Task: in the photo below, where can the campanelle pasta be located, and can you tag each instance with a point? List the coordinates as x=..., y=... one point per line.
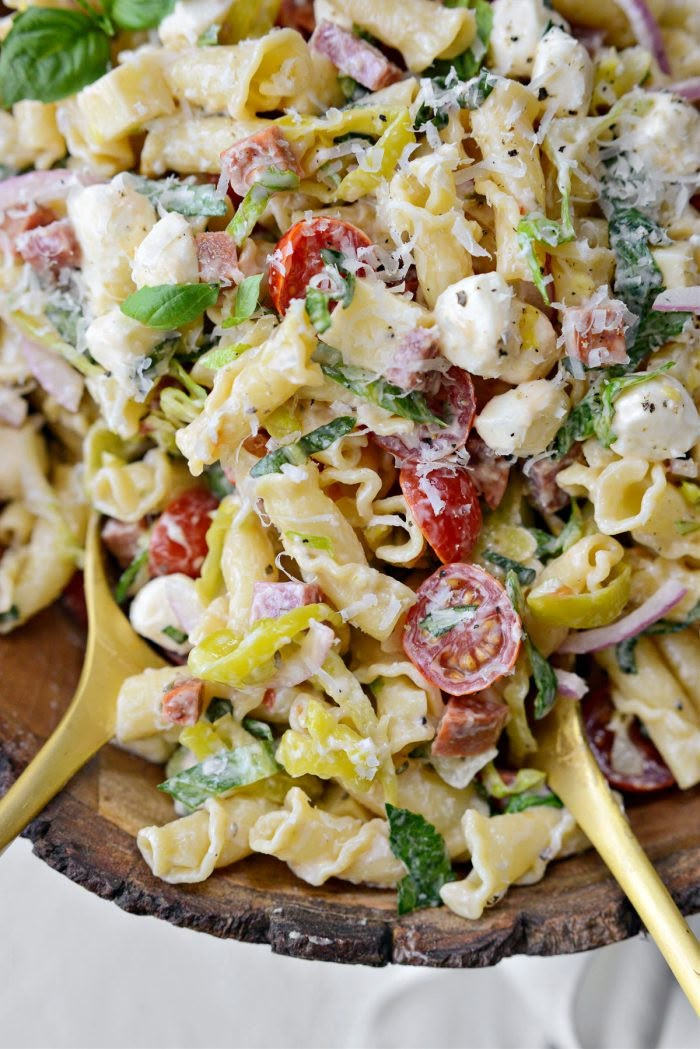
x=375, y=344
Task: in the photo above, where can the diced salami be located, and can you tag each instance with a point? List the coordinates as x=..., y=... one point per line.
x=271, y=600
x=541, y=482
x=217, y=258
x=416, y=361
x=123, y=539
x=297, y=14
x=355, y=57
x=24, y=217
x=49, y=248
x=248, y=158
x=470, y=725
x=594, y=333
x=489, y=472
x=182, y=704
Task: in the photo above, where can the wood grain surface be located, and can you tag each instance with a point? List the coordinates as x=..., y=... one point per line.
x=87, y=833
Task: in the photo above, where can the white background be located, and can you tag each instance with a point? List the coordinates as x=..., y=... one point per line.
x=76, y=972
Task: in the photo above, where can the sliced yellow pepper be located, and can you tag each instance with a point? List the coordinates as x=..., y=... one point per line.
x=330, y=750
x=580, y=611
x=224, y=658
x=380, y=161
x=202, y=739
x=211, y=580
x=525, y=779
x=248, y=18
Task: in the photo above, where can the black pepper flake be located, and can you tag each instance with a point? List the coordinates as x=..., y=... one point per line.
x=383, y=117
x=512, y=152
x=542, y=94
x=514, y=39
x=461, y=297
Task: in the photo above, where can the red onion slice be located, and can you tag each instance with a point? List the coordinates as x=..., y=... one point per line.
x=570, y=685
x=646, y=30
x=681, y=300
x=666, y=597
x=37, y=187
x=688, y=89
x=54, y=375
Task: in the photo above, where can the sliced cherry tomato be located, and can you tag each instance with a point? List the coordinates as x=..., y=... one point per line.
x=654, y=774
x=463, y=632
x=178, y=541
x=297, y=14
x=445, y=505
x=454, y=403
x=297, y=257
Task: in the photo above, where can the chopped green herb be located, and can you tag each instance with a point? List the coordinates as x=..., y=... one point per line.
x=374, y=388
x=220, y=356
x=625, y=650
x=318, y=542
x=531, y=799
x=210, y=36
x=256, y=200
x=219, y=708
x=549, y=546
x=170, y=306
x=259, y=729
x=175, y=634
x=470, y=95
x=217, y=481
x=538, y=229
x=350, y=89
x=542, y=673
x=246, y=301
x=469, y=62
x=185, y=196
x=222, y=772
x=525, y=575
x=128, y=577
x=686, y=527
x=315, y=441
x=446, y=619
x=422, y=849
x=318, y=302
x=10, y=615
x=67, y=316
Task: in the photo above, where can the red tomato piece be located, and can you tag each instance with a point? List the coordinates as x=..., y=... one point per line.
x=178, y=541
x=454, y=403
x=445, y=505
x=463, y=632
x=297, y=257
x=654, y=774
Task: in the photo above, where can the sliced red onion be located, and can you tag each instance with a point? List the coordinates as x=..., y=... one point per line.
x=307, y=661
x=570, y=685
x=666, y=597
x=681, y=300
x=646, y=30
x=688, y=89
x=54, y=375
x=37, y=187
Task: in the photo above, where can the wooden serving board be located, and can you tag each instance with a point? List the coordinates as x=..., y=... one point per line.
x=87, y=833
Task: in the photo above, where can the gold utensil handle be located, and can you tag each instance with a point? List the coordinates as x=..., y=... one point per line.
x=581, y=786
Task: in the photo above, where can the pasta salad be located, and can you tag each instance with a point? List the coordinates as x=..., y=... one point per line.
x=371, y=331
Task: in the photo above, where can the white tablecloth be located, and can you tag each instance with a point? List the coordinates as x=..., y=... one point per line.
x=76, y=971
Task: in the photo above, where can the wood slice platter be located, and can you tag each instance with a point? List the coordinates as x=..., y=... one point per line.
x=87, y=833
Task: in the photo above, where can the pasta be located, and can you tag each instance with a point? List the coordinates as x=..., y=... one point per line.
x=377, y=350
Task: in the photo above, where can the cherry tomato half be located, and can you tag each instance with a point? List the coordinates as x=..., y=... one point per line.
x=597, y=709
x=297, y=257
x=178, y=540
x=452, y=528
x=455, y=404
x=463, y=633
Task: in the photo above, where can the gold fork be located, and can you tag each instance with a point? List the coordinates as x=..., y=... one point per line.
x=114, y=651
x=563, y=753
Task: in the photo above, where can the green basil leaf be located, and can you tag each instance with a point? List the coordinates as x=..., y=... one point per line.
x=542, y=673
x=316, y=441
x=218, y=482
x=530, y=799
x=139, y=14
x=468, y=63
x=409, y=405
x=445, y=619
x=422, y=849
x=10, y=615
x=525, y=575
x=549, y=546
x=259, y=729
x=185, y=196
x=128, y=576
x=218, y=708
x=246, y=302
x=175, y=634
x=220, y=356
x=170, y=306
x=51, y=53
x=318, y=310
x=654, y=329
x=255, y=201
x=538, y=229
x=221, y=773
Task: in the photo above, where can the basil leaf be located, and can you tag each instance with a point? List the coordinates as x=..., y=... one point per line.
x=318, y=302
x=541, y=230
x=169, y=306
x=315, y=441
x=186, y=197
x=416, y=843
x=525, y=575
x=246, y=301
x=409, y=405
x=220, y=356
x=655, y=328
x=530, y=799
x=67, y=316
x=259, y=729
x=176, y=635
x=470, y=95
x=218, y=708
x=10, y=615
x=469, y=62
x=255, y=201
x=51, y=53
x=222, y=772
x=128, y=576
x=549, y=546
x=445, y=619
x=542, y=673
x=218, y=482
x=625, y=650
x=139, y=14
x=317, y=542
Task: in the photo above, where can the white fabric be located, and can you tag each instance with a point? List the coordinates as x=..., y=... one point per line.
x=77, y=972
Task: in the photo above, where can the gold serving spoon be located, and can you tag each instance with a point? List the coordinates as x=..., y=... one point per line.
x=563, y=753
x=114, y=651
